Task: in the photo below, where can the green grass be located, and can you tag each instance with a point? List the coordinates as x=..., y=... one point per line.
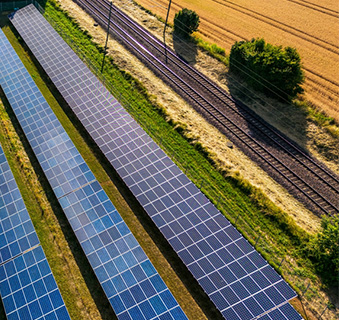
x=318, y=117
x=212, y=49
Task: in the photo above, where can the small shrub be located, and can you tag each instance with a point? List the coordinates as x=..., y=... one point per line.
x=323, y=250
x=186, y=22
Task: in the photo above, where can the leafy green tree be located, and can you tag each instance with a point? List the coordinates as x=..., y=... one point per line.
x=323, y=250
x=274, y=70
x=186, y=22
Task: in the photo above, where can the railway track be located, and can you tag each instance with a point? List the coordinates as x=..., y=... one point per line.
x=305, y=178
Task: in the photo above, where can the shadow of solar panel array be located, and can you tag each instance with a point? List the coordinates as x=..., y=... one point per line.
x=236, y=278
x=132, y=285
x=27, y=287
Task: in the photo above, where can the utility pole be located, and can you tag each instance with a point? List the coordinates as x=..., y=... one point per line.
x=105, y=49
x=168, y=10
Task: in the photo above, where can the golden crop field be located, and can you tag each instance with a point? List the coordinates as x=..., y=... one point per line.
x=311, y=26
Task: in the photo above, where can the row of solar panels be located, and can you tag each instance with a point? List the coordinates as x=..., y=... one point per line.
x=236, y=278
x=27, y=287
x=128, y=278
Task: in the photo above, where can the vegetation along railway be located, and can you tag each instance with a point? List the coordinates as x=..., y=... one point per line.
x=304, y=177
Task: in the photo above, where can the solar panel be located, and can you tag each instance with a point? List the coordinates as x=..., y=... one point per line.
x=227, y=267
x=60, y=160
x=17, y=232
x=128, y=278
x=28, y=288
x=132, y=285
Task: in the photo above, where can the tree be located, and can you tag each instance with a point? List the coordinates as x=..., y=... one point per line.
x=323, y=250
x=186, y=22
x=271, y=69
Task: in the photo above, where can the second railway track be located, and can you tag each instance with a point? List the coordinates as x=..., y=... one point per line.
x=304, y=177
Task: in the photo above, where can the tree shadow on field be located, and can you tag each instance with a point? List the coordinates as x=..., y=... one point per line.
x=288, y=118
x=185, y=48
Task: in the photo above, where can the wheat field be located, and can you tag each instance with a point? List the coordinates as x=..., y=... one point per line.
x=310, y=26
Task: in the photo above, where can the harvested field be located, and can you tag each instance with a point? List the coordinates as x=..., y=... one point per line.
x=310, y=27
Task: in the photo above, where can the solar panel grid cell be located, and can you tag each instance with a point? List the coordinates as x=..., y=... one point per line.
x=28, y=289
x=17, y=233
x=112, y=250
x=174, y=203
x=284, y=312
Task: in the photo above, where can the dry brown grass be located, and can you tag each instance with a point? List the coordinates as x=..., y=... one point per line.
x=311, y=28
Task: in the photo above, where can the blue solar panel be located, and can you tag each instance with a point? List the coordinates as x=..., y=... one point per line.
x=17, y=233
x=28, y=289
x=212, y=249
x=121, y=266
x=56, y=153
x=126, y=274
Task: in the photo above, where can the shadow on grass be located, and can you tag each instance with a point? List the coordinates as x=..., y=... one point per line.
x=286, y=117
x=3, y=20
x=185, y=49
x=2, y=311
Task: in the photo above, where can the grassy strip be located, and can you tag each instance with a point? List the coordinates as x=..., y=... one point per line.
x=255, y=214
x=318, y=117
x=212, y=49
